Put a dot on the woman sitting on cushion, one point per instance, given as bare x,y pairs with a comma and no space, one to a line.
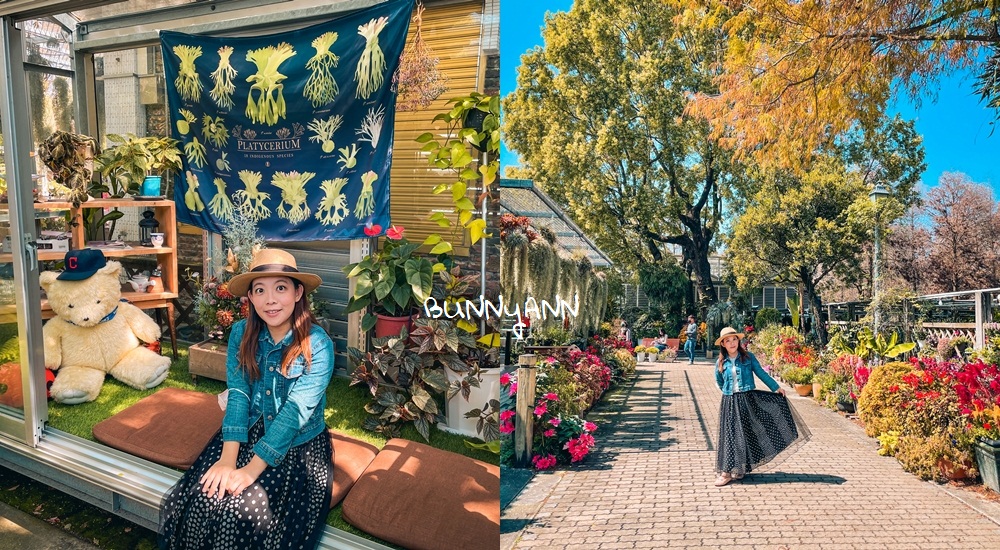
264,480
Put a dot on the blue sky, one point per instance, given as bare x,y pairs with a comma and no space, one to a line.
956,128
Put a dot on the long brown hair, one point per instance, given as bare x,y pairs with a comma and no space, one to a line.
741,353
302,322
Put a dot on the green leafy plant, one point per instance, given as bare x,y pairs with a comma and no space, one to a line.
130,159
393,281
406,374
871,346
888,442
797,375
453,155
767,316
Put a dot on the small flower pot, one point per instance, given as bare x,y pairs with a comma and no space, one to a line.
817,390
391,326
803,389
845,407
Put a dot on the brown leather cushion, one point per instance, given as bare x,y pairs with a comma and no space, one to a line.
421,498
170,427
350,458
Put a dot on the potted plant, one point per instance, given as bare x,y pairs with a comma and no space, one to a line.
131,160
640,353
70,158
844,401
668,355
800,378
394,281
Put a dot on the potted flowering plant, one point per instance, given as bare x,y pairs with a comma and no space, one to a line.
217,309
394,281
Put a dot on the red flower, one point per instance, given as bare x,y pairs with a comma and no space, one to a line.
373,230
395,233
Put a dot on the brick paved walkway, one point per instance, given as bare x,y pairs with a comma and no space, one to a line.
650,485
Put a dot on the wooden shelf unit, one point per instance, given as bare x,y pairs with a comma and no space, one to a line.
165,256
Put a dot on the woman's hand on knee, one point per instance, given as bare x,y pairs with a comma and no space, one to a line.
216,479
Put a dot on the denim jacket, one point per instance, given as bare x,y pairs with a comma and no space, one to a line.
745,369
292,406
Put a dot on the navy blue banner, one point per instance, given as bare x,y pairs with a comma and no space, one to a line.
293,130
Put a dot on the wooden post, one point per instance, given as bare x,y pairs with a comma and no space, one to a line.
525,421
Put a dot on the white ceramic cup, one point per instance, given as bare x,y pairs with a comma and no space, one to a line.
156,239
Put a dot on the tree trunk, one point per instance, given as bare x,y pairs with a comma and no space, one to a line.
815,306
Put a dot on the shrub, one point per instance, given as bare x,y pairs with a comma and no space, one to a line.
767,316
797,375
888,442
919,456
880,403
626,360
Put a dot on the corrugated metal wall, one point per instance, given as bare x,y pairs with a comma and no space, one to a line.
451,31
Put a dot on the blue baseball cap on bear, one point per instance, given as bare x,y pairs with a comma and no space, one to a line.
81,264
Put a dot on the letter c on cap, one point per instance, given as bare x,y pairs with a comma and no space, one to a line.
71,262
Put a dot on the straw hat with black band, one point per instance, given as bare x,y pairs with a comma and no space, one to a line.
272,262
727,332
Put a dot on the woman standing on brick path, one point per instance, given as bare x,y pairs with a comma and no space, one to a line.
754,426
264,481
691,332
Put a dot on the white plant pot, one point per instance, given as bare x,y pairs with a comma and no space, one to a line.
640,357
457,406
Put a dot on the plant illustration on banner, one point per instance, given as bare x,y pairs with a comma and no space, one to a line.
246,129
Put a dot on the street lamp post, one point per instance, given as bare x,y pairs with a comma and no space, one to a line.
877,192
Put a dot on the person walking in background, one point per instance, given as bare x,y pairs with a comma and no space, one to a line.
264,479
754,426
692,338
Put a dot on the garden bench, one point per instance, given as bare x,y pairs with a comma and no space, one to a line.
407,493
672,343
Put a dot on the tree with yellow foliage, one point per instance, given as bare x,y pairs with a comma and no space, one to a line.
798,74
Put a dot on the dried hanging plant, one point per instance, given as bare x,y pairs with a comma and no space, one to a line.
418,80
70,158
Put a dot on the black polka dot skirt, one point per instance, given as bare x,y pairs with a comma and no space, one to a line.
285,508
754,427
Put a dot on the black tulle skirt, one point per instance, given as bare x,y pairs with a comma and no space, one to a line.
754,428
285,508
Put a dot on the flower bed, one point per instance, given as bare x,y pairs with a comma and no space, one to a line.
565,389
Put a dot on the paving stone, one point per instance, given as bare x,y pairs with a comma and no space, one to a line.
649,485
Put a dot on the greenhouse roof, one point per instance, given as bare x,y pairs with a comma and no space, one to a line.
523,198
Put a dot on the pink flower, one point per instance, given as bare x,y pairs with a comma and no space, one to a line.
541,409
513,390
395,233
544,462
551,432
589,427
555,421
506,427
505,379
551,396
507,415
373,230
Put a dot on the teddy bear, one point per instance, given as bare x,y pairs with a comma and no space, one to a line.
95,332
